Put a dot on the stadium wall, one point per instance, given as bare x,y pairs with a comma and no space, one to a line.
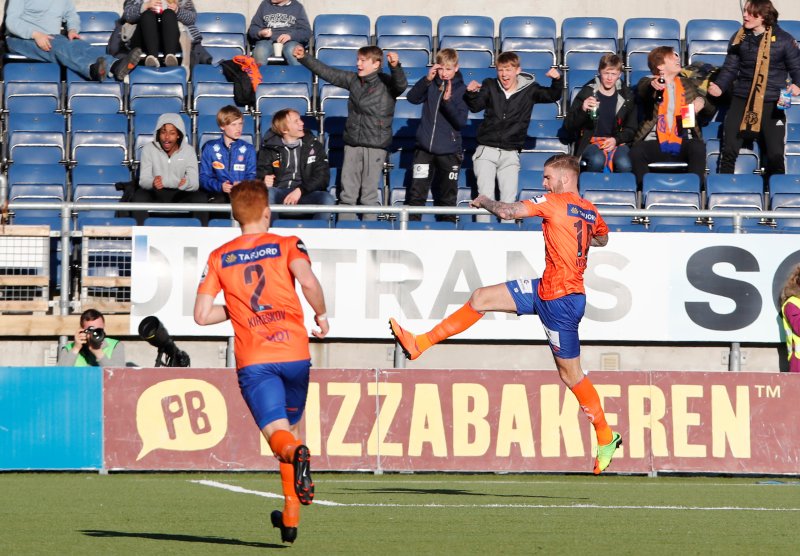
385,420
682,10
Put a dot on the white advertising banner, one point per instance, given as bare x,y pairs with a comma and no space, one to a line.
641,287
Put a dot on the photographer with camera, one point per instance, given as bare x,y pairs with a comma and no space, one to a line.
92,348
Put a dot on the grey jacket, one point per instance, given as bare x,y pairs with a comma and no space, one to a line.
172,169
370,108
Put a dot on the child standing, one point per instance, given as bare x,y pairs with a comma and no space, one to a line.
438,152
368,129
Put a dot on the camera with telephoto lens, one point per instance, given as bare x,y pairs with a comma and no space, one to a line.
154,333
95,336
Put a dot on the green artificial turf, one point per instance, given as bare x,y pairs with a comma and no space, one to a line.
76,513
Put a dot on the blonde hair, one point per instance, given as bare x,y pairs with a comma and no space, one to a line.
564,162
278,125
228,115
447,56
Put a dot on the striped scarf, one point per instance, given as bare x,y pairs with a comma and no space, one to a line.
608,165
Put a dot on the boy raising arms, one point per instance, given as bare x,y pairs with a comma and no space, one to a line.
226,161
271,342
508,101
571,225
368,129
438,153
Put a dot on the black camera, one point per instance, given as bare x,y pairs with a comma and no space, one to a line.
95,336
153,332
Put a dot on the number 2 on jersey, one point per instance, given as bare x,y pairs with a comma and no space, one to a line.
255,274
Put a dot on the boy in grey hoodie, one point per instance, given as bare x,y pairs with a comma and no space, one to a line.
168,172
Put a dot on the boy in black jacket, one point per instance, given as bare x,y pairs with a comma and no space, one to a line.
368,129
293,164
438,152
508,101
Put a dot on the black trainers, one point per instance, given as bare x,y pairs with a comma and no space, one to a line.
122,67
97,71
303,485
288,534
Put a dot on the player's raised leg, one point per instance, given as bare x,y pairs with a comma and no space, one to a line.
483,300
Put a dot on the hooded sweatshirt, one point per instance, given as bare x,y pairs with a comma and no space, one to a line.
290,19
172,169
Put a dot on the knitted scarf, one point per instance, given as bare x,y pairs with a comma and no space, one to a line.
668,132
751,122
608,166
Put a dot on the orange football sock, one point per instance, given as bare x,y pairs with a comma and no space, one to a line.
590,405
291,505
453,324
283,444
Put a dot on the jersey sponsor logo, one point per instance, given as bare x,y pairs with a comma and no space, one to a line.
539,199
238,167
244,256
266,318
205,273
217,165
302,247
311,159
580,212
278,336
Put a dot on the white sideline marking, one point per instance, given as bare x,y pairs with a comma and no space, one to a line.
240,490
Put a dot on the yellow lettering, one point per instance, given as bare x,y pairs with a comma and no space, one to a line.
376,443
682,420
730,425
466,420
427,423
351,394
639,420
556,422
514,426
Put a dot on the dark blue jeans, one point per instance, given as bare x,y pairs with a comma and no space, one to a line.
593,159
278,194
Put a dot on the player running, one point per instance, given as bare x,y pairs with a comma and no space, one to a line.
571,225
257,273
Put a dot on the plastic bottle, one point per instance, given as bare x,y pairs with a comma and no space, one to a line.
660,92
785,98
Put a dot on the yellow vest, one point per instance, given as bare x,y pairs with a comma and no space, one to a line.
792,338
81,361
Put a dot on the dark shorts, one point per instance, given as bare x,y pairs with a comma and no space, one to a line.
560,317
275,391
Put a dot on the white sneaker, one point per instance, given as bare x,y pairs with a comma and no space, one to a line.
152,62
170,60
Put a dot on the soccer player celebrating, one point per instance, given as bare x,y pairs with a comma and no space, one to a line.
571,225
257,273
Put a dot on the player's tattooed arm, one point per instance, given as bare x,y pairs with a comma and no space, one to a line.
600,241
506,211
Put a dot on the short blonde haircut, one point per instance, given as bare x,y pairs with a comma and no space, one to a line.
447,56
227,115
278,125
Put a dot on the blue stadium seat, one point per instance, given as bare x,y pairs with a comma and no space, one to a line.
735,192
642,34
532,38
32,87
224,34
471,36
600,181
91,97
431,225
671,191
411,36
746,163
707,39
96,148
171,221
576,79
157,90
365,224
401,151
36,193
283,87
99,175
300,223
488,226
337,37
86,219
48,121
36,147
100,193
531,180
544,140
37,174
791,26
97,26
586,39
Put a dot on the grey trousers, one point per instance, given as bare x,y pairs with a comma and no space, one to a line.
490,163
362,175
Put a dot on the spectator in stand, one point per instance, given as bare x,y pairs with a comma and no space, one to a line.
91,347
438,153
293,165
281,22
603,117
507,101
368,129
760,52
666,135
168,170
226,161
158,26
34,31
790,311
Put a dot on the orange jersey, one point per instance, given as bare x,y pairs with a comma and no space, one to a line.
569,223
253,272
